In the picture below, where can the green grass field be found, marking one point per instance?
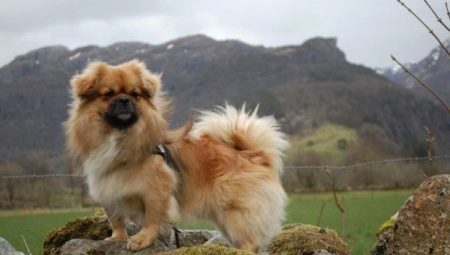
(365, 212)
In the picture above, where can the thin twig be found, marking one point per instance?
(430, 140)
(437, 16)
(26, 245)
(422, 83)
(448, 11)
(336, 201)
(321, 213)
(343, 219)
(333, 188)
(426, 26)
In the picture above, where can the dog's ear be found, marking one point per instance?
(151, 82)
(84, 84)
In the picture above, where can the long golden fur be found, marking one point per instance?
(229, 161)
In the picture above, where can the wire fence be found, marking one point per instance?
(369, 163)
(62, 190)
(289, 167)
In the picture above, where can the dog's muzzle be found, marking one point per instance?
(122, 112)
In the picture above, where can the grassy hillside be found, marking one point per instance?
(365, 212)
(331, 140)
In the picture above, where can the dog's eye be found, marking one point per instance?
(135, 94)
(109, 94)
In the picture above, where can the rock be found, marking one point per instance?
(422, 225)
(166, 243)
(210, 249)
(7, 249)
(384, 235)
(85, 236)
(94, 228)
(91, 247)
(307, 239)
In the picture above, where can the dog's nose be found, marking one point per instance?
(123, 100)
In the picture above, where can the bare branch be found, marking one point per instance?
(437, 16)
(333, 188)
(448, 12)
(430, 140)
(422, 83)
(336, 201)
(426, 26)
(321, 213)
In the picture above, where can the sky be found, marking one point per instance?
(368, 31)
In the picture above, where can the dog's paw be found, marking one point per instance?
(139, 241)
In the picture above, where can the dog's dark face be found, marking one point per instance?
(122, 112)
(119, 94)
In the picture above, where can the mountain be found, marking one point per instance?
(434, 69)
(304, 86)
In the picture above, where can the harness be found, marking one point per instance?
(164, 152)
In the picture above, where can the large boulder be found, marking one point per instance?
(85, 236)
(422, 225)
(7, 249)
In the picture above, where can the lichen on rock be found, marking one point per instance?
(422, 225)
(94, 228)
(85, 236)
(307, 239)
(387, 225)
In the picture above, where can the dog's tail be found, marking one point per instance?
(244, 131)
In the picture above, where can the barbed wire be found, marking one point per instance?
(367, 163)
(331, 167)
(26, 176)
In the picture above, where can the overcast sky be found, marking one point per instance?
(367, 30)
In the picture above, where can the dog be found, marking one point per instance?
(224, 167)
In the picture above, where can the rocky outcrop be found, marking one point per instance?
(85, 236)
(93, 228)
(422, 225)
(188, 239)
(7, 249)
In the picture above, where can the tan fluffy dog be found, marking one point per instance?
(228, 163)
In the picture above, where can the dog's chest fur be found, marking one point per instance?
(103, 183)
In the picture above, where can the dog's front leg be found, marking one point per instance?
(150, 228)
(117, 222)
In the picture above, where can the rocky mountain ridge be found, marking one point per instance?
(304, 86)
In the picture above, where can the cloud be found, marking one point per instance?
(367, 31)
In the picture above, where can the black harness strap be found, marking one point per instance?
(164, 152)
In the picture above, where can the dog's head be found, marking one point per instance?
(120, 95)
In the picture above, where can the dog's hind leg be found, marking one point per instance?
(252, 219)
(240, 230)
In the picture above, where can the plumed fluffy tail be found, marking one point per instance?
(244, 131)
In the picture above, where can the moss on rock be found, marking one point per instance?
(293, 239)
(94, 228)
(387, 225)
(211, 249)
(307, 239)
